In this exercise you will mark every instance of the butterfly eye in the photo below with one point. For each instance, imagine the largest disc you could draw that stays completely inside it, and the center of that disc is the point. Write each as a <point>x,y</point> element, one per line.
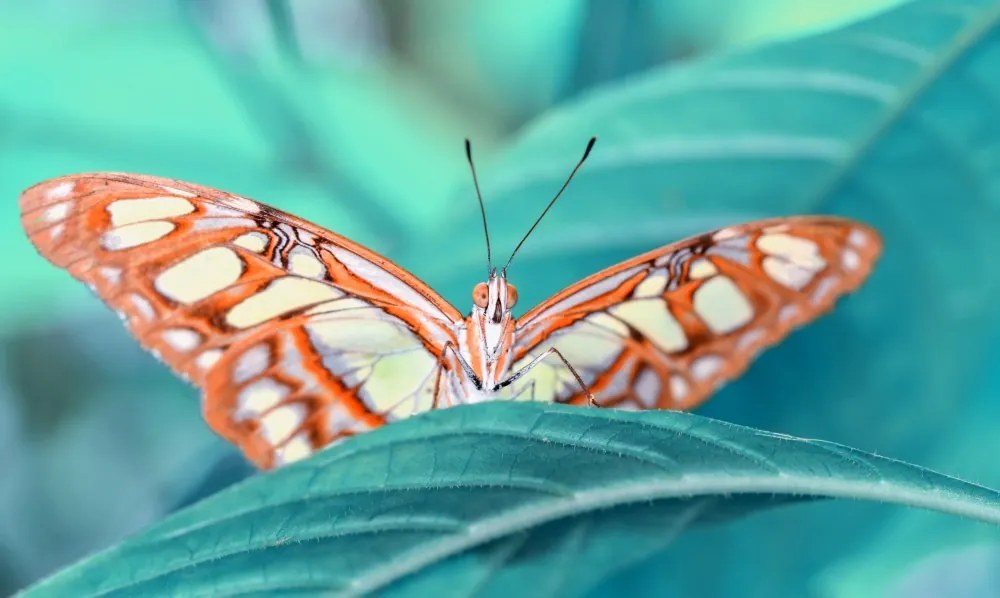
<point>481,295</point>
<point>511,295</point>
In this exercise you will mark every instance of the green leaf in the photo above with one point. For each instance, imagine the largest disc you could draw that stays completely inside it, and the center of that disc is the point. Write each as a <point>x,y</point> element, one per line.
<point>486,495</point>
<point>468,50</point>
<point>748,21</point>
<point>873,120</point>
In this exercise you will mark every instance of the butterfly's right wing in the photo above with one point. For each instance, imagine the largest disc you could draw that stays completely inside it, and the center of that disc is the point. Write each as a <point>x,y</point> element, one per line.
<point>667,328</point>
<point>296,335</point>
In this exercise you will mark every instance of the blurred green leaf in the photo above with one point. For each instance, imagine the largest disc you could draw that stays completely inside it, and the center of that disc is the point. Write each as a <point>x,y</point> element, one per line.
<point>364,150</point>
<point>852,121</point>
<point>113,468</point>
<point>515,59</point>
<point>743,22</point>
<point>85,462</point>
<point>370,133</point>
<point>907,545</point>
<point>545,491</point>
<point>972,572</point>
<point>466,49</point>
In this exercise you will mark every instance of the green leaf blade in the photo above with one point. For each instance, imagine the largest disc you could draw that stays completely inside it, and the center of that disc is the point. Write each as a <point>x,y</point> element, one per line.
<point>881,120</point>
<point>473,489</point>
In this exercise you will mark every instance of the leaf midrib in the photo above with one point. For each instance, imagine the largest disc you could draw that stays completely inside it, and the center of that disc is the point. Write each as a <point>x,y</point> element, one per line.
<point>584,501</point>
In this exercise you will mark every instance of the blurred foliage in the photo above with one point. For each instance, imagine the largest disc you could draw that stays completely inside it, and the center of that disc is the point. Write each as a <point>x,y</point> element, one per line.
<point>351,114</point>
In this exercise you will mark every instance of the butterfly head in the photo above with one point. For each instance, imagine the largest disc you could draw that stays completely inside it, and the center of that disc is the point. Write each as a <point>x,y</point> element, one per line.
<point>494,298</point>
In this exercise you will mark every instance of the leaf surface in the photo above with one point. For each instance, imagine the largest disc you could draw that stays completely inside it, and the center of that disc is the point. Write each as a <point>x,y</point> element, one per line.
<point>476,498</point>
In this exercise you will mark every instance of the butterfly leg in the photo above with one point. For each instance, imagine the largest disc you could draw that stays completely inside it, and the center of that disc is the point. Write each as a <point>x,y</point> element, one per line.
<point>550,351</point>
<point>530,386</point>
<point>465,367</point>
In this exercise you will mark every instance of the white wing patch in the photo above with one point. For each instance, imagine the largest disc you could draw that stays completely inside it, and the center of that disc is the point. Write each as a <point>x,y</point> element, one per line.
<point>303,262</point>
<point>130,211</point>
<point>652,319</point>
<point>200,275</point>
<point>252,363</point>
<point>208,358</point>
<point>181,339</point>
<point>721,305</point>
<point>701,268</point>
<point>134,222</point>
<point>133,235</point>
<point>653,285</point>
<point>283,295</point>
<point>57,212</point>
<point>298,447</point>
<point>252,241</point>
<point>280,422</point>
<point>380,356</point>
<point>791,261</point>
<point>258,397</point>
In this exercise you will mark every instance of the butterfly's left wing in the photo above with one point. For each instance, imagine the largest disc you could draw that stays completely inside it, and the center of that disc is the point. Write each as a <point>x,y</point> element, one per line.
<point>667,328</point>
<point>296,335</point>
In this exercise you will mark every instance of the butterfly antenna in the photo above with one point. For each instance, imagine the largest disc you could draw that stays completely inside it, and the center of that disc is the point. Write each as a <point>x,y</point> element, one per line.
<point>586,152</point>
<point>482,208</point>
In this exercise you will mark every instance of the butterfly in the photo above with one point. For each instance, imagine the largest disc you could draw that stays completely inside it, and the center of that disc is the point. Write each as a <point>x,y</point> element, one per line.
<point>299,337</point>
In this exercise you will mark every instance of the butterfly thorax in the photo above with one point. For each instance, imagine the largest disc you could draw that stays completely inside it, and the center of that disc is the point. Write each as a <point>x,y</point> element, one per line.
<point>485,344</point>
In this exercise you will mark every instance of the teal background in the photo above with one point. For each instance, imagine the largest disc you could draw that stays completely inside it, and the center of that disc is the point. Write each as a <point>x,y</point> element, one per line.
<point>352,114</point>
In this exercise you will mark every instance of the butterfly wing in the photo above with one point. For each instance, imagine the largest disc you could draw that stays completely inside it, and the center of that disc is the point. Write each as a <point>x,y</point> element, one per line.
<point>296,335</point>
<point>667,328</point>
